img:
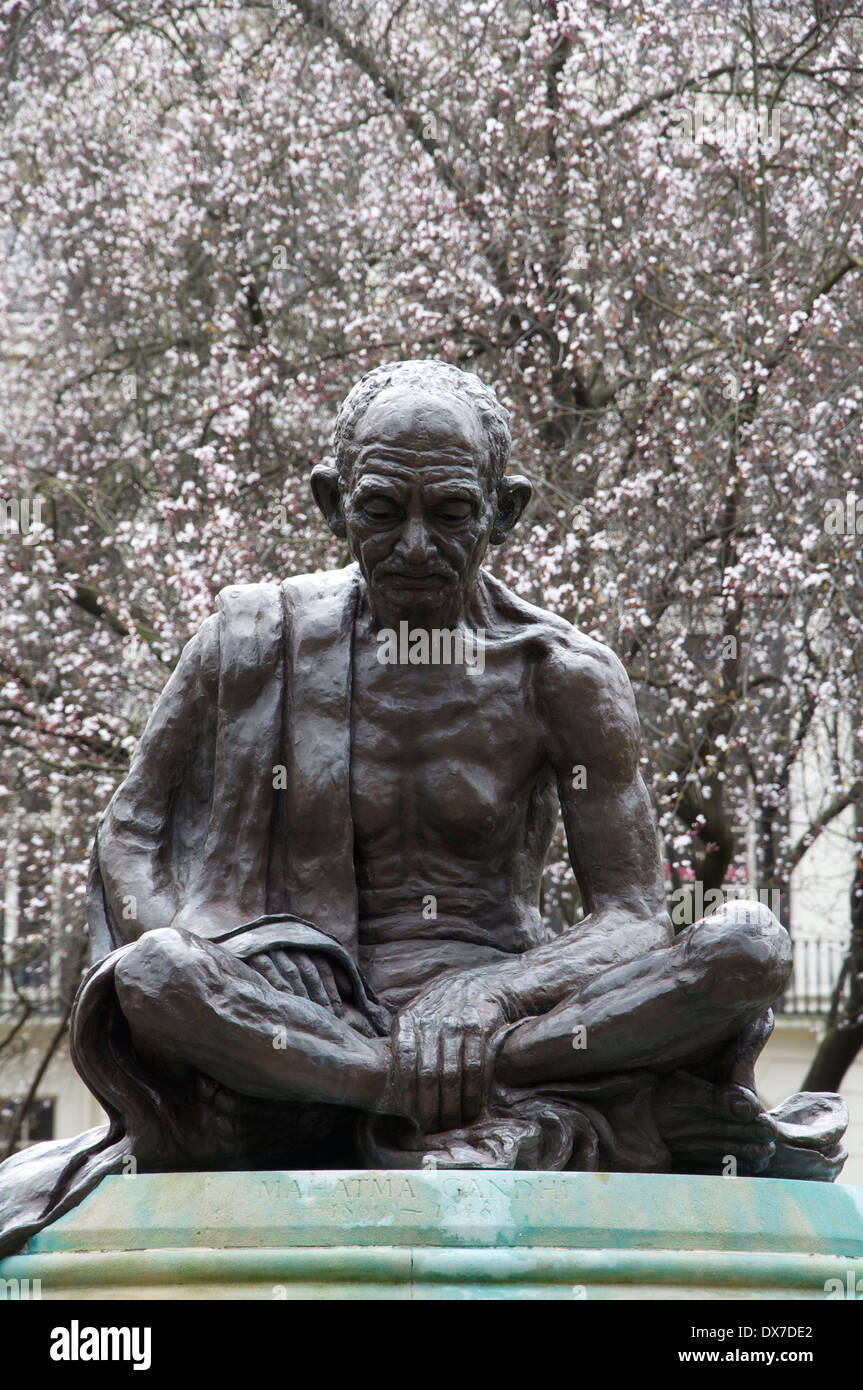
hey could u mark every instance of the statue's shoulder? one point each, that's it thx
(321, 585)
(237, 602)
(549, 630)
(245, 635)
(570, 665)
(514, 611)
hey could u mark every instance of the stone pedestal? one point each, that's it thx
(435, 1235)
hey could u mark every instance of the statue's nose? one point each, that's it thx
(414, 543)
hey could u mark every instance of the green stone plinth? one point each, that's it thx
(435, 1235)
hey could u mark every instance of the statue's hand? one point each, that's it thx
(443, 1054)
(298, 973)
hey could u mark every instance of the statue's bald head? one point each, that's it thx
(425, 383)
(419, 487)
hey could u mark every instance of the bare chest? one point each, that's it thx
(441, 752)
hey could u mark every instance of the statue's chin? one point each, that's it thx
(429, 603)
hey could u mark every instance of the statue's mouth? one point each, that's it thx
(399, 579)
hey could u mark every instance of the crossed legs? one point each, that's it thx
(191, 1004)
(671, 1008)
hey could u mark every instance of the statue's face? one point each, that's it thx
(420, 508)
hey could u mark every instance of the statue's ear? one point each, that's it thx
(325, 490)
(513, 495)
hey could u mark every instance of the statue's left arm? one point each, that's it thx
(443, 1038)
(592, 737)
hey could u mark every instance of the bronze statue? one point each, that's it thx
(314, 903)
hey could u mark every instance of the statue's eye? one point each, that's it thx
(454, 512)
(380, 509)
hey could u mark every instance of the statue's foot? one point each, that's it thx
(809, 1131)
(725, 1129)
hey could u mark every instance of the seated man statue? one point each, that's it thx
(314, 903)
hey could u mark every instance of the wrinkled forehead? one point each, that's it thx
(416, 429)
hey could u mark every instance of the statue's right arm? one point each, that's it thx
(171, 760)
